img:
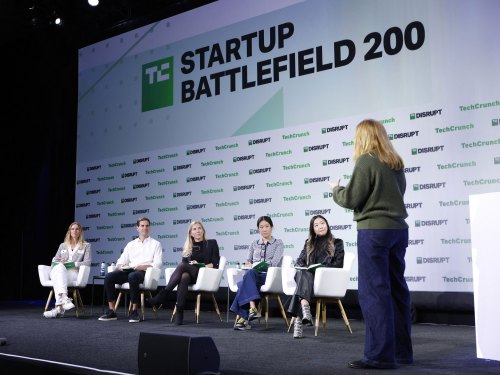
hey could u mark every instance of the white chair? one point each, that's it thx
(288, 279)
(330, 284)
(75, 286)
(151, 280)
(208, 282)
(272, 287)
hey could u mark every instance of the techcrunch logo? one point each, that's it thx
(158, 84)
(153, 171)
(226, 175)
(259, 200)
(289, 246)
(227, 233)
(335, 161)
(296, 166)
(167, 236)
(475, 106)
(167, 156)
(426, 150)
(212, 220)
(317, 212)
(243, 158)
(455, 241)
(278, 153)
(454, 128)
(169, 264)
(278, 184)
(391, 120)
(280, 214)
(297, 198)
(413, 205)
(153, 197)
(347, 143)
(296, 230)
(226, 147)
(414, 116)
(140, 212)
(116, 239)
(455, 165)
(333, 129)
(106, 178)
(482, 181)
(258, 141)
(103, 203)
(157, 223)
(287, 137)
(104, 252)
(430, 223)
(457, 279)
(312, 180)
(243, 217)
(453, 203)
(167, 182)
(113, 214)
(430, 186)
(117, 164)
(403, 135)
(118, 188)
(212, 162)
(434, 260)
(212, 191)
(316, 147)
(167, 209)
(491, 142)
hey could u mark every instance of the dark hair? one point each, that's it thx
(311, 240)
(264, 218)
(142, 219)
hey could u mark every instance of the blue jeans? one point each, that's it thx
(384, 297)
(248, 290)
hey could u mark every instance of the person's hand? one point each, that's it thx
(335, 184)
(193, 262)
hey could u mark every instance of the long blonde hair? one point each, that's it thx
(187, 249)
(80, 240)
(372, 137)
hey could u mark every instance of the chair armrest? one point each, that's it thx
(83, 277)
(152, 278)
(44, 274)
(273, 282)
(331, 282)
(234, 275)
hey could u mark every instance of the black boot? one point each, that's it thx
(179, 317)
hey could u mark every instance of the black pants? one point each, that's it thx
(134, 278)
(184, 275)
(304, 290)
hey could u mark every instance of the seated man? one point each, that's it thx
(138, 255)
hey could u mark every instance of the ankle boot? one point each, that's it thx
(157, 300)
(306, 315)
(179, 317)
(297, 328)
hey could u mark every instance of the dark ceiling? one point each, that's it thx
(82, 24)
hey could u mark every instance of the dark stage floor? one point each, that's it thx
(87, 346)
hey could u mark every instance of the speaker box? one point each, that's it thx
(177, 354)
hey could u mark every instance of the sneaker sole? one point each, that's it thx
(106, 319)
(133, 321)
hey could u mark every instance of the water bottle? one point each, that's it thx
(103, 268)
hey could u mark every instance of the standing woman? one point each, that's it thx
(268, 249)
(320, 247)
(73, 249)
(375, 194)
(197, 249)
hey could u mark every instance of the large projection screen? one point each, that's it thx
(239, 109)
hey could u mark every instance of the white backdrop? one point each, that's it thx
(267, 124)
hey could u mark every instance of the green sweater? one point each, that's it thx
(375, 194)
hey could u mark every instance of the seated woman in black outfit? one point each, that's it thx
(196, 249)
(320, 247)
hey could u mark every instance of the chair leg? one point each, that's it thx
(283, 313)
(173, 313)
(117, 302)
(155, 311)
(142, 304)
(323, 313)
(267, 310)
(344, 316)
(75, 299)
(216, 307)
(49, 299)
(292, 320)
(318, 310)
(198, 307)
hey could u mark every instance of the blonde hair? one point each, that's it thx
(371, 137)
(67, 239)
(187, 249)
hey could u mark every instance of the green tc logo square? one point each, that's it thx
(158, 84)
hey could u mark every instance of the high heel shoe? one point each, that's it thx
(154, 302)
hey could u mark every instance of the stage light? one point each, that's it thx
(94, 3)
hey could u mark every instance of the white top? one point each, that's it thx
(139, 252)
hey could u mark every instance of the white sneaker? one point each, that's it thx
(54, 313)
(68, 304)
